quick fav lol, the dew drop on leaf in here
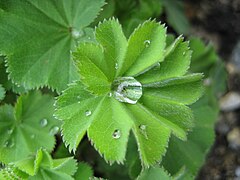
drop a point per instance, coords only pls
(116, 134)
(116, 65)
(32, 136)
(76, 34)
(88, 113)
(9, 143)
(143, 130)
(147, 43)
(54, 130)
(142, 127)
(10, 131)
(127, 89)
(110, 94)
(43, 122)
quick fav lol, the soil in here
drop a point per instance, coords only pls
(219, 21)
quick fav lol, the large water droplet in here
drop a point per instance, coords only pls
(54, 130)
(116, 134)
(88, 113)
(76, 34)
(43, 122)
(147, 43)
(127, 89)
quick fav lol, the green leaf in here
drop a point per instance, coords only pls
(152, 137)
(191, 153)
(145, 48)
(20, 127)
(66, 165)
(176, 16)
(174, 89)
(203, 57)
(176, 63)
(84, 172)
(12, 173)
(176, 116)
(5, 81)
(38, 36)
(109, 130)
(109, 34)
(108, 115)
(75, 107)
(42, 166)
(154, 173)
(2, 92)
(89, 58)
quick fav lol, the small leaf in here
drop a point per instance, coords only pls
(31, 119)
(65, 165)
(154, 173)
(109, 34)
(42, 166)
(12, 173)
(145, 49)
(84, 172)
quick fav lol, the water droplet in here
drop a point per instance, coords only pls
(147, 43)
(207, 82)
(116, 134)
(32, 136)
(88, 113)
(142, 127)
(127, 89)
(79, 102)
(76, 34)
(9, 143)
(54, 130)
(116, 65)
(110, 94)
(43, 122)
(10, 131)
(143, 130)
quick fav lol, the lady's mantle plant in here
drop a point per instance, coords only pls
(136, 85)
